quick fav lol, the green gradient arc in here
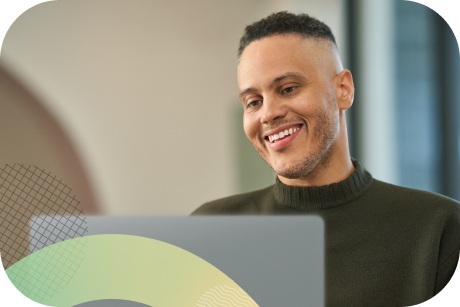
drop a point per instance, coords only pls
(124, 267)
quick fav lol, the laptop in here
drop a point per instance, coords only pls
(277, 260)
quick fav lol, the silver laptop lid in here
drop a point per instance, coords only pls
(277, 260)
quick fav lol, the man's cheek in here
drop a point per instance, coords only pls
(249, 129)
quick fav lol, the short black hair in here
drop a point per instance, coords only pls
(285, 23)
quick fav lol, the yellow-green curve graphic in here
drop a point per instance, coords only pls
(124, 267)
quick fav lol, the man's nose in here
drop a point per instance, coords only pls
(272, 109)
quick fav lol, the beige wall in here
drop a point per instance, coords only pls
(146, 91)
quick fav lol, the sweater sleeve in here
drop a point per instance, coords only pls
(446, 271)
(450, 247)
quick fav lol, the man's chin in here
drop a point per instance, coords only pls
(291, 173)
(301, 169)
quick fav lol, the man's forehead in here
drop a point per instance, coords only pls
(287, 49)
(269, 53)
(278, 54)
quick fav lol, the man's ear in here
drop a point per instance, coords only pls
(344, 89)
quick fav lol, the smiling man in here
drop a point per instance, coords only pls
(385, 245)
(295, 109)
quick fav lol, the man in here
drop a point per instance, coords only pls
(385, 245)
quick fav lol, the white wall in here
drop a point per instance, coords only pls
(144, 89)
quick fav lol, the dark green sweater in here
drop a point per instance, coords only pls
(385, 245)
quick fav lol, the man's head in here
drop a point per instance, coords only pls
(285, 23)
(294, 93)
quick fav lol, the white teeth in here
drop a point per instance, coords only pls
(282, 134)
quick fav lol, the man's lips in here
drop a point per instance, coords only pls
(282, 136)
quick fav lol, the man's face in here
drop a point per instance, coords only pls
(286, 85)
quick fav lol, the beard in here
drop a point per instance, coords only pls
(325, 134)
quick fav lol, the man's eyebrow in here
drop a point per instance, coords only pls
(284, 76)
(273, 83)
(247, 91)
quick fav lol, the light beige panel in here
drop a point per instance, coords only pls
(29, 135)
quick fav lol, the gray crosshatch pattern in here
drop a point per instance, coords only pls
(27, 191)
(35, 280)
(49, 230)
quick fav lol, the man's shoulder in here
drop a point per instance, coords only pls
(414, 197)
(245, 203)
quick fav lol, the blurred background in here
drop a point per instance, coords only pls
(134, 104)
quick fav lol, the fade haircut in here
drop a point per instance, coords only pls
(285, 23)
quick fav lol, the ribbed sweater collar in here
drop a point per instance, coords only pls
(324, 197)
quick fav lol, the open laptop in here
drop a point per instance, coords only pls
(277, 260)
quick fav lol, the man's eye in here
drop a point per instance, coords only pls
(253, 103)
(288, 89)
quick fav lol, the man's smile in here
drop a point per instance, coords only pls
(282, 136)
